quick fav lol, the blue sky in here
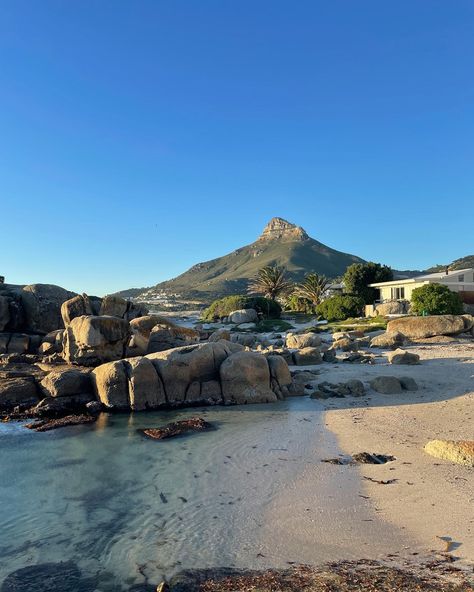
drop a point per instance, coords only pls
(138, 138)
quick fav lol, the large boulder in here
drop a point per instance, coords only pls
(300, 340)
(113, 306)
(18, 391)
(388, 340)
(77, 306)
(245, 378)
(392, 307)
(219, 334)
(116, 306)
(191, 374)
(12, 314)
(400, 356)
(280, 375)
(111, 385)
(91, 340)
(42, 307)
(244, 339)
(4, 312)
(163, 337)
(345, 344)
(14, 343)
(141, 328)
(457, 451)
(246, 315)
(66, 383)
(307, 356)
(422, 327)
(145, 387)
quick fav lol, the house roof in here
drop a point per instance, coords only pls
(426, 277)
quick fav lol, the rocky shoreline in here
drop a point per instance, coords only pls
(83, 355)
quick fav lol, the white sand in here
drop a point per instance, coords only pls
(431, 498)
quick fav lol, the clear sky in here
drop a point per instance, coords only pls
(139, 137)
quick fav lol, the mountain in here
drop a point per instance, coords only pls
(462, 263)
(281, 243)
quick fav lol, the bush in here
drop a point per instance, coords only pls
(435, 299)
(295, 303)
(224, 306)
(340, 307)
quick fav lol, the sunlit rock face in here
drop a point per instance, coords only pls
(278, 228)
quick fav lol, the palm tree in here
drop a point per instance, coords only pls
(312, 288)
(271, 282)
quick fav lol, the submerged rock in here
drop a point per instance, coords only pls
(46, 577)
(45, 425)
(177, 428)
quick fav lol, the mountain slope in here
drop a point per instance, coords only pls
(462, 263)
(281, 243)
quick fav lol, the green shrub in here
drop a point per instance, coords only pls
(224, 306)
(295, 303)
(435, 299)
(340, 307)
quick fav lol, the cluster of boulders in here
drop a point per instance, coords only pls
(106, 353)
(207, 373)
(61, 351)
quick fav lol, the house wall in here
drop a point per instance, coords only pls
(386, 291)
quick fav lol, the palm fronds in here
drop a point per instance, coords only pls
(271, 282)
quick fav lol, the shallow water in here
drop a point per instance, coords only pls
(128, 510)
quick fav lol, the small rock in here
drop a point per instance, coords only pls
(408, 383)
(400, 356)
(387, 385)
(457, 451)
(330, 355)
(356, 387)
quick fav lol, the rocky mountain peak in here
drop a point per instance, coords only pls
(278, 228)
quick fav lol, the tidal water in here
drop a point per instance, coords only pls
(127, 511)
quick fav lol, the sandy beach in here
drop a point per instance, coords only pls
(428, 499)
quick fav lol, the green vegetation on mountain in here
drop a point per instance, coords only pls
(462, 263)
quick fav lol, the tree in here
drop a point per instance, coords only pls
(340, 307)
(358, 276)
(312, 288)
(435, 299)
(271, 282)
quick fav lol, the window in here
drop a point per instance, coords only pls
(398, 293)
(461, 278)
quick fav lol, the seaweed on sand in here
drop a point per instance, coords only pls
(344, 576)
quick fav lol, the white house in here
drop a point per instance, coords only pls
(460, 280)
